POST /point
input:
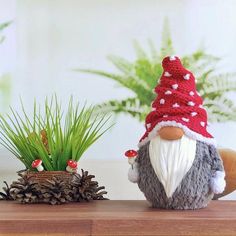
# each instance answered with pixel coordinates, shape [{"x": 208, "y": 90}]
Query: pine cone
[
  {"x": 44, "y": 138},
  {"x": 5, "y": 195},
  {"x": 56, "y": 191},
  {"x": 86, "y": 189},
  {"x": 25, "y": 190}
]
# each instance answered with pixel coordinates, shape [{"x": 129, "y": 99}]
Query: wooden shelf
[{"x": 115, "y": 218}]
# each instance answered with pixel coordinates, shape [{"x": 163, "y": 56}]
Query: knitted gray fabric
[{"x": 194, "y": 191}]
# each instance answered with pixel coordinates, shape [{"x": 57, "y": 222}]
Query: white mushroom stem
[
  {"x": 40, "y": 168},
  {"x": 133, "y": 174},
  {"x": 131, "y": 160},
  {"x": 71, "y": 170}
]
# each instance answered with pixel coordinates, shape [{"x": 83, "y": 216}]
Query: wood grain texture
[{"x": 115, "y": 218}]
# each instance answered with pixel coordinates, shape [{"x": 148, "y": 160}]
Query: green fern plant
[
  {"x": 141, "y": 76},
  {"x": 52, "y": 135},
  {"x": 2, "y": 27}
]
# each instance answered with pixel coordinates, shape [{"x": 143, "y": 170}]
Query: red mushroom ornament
[
  {"x": 72, "y": 166},
  {"x": 131, "y": 154},
  {"x": 37, "y": 164}
]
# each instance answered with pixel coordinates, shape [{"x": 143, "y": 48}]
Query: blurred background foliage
[
  {"x": 5, "y": 82},
  {"x": 141, "y": 76}
]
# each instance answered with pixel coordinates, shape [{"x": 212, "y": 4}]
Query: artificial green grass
[{"x": 54, "y": 136}]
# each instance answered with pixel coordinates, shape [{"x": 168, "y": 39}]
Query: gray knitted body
[{"x": 194, "y": 191}]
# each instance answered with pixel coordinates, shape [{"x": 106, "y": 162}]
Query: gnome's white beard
[{"x": 171, "y": 160}]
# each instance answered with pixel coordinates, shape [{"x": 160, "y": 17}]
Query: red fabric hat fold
[{"x": 177, "y": 104}]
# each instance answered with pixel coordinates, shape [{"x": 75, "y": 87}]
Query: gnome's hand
[
  {"x": 133, "y": 174},
  {"x": 218, "y": 182}
]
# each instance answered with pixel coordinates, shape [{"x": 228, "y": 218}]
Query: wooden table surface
[{"x": 115, "y": 218}]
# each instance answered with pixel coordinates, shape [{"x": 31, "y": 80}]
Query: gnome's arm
[{"x": 218, "y": 174}]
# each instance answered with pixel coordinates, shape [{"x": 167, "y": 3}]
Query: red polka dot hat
[{"x": 177, "y": 104}]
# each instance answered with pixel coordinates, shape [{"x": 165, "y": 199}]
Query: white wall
[{"x": 49, "y": 38}]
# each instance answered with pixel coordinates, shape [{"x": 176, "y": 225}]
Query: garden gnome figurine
[{"x": 178, "y": 166}]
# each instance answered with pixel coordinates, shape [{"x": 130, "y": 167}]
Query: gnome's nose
[{"x": 171, "y": 133}]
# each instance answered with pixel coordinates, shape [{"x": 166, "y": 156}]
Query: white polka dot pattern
[
  {"x": 191, "y": 103},
  {"x": 175, "y": 86},
  {"x": 172, "y": 58},
  {"x": 167, "y": 74},
  {"x": 175, "y": 105},
  {"x": 187, "y": 76},
  {"x": 168, "y": 92},
  {"x": 191, "y": 93},
  {"x": 162, "y": 101},
  {"x": 185, "y": 119},
  {"x": 202, "y": 123}
]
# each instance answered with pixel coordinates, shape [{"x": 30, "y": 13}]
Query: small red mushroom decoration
[
  {"x": 131, "y": 154},
  {"x": 71, "y": 166},
  {"x": 37, "y": 164}
]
